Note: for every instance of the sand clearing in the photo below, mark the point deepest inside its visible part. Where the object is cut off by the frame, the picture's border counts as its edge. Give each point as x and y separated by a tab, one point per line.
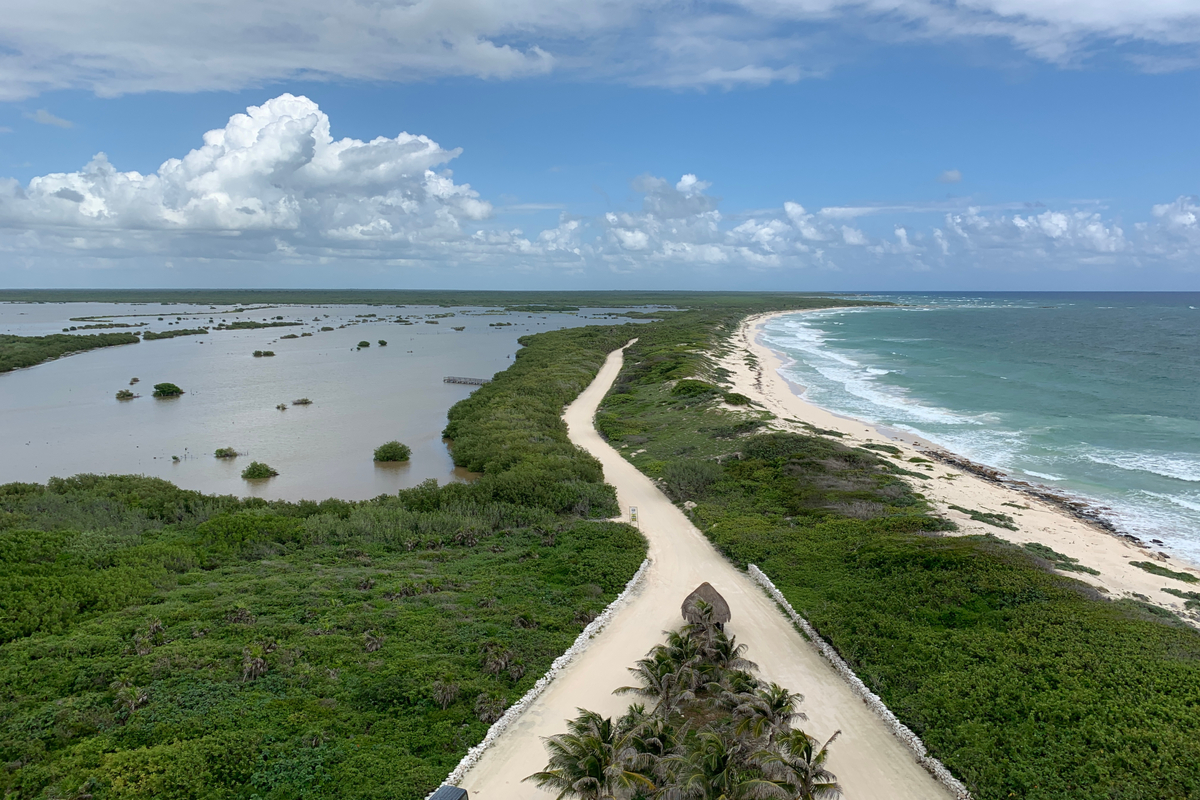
1037	521
869	762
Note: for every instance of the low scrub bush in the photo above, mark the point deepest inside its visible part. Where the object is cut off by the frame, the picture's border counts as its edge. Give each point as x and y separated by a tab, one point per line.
226	452
257	471
694	388
1158	569
392	451
167	390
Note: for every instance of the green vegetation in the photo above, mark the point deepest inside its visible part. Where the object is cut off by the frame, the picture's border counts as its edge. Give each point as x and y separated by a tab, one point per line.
167	390
132	381
263	353
326	328
694	389
156	642
282	406
226	452
163	643
290	336
249	325
393	451
540	308
988	517
125	394
714	731
382	343
1191	599
736	399
364	343
459	328
26	351
101	326
303	401
171	334
1158	569
258	470
1058	560
1024	682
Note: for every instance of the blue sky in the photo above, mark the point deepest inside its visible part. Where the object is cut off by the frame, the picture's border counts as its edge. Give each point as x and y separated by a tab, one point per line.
824	146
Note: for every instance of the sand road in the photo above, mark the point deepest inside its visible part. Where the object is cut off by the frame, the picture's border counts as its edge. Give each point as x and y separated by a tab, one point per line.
868	760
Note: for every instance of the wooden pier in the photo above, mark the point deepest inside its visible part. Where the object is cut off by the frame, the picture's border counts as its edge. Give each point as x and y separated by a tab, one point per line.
468	381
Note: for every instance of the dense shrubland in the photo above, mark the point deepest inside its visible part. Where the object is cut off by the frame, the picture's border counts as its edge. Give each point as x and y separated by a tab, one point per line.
1024	682
172	333
156	642
25	351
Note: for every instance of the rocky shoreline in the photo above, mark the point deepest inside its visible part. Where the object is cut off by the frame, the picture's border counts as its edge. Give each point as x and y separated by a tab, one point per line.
1078	509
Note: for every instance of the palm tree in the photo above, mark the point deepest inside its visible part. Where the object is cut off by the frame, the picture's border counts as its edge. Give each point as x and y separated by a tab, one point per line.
718	766
596	759
723	652
768	712
662	681
799	766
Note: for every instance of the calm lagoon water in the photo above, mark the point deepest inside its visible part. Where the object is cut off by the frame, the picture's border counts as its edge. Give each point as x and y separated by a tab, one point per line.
61	418
1096	395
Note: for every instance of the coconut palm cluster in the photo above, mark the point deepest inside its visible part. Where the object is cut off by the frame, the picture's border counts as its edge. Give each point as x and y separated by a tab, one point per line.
713	732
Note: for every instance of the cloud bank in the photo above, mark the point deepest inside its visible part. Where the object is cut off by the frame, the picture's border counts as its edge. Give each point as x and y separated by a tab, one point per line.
274	189
188	45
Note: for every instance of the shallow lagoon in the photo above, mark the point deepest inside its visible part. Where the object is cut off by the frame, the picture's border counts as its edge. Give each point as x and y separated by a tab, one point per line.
61	418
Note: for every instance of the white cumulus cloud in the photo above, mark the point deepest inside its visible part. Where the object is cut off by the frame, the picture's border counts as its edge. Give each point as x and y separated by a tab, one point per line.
274	170
275	188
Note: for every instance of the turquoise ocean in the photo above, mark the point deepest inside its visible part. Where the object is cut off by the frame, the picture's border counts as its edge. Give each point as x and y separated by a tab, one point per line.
1096	395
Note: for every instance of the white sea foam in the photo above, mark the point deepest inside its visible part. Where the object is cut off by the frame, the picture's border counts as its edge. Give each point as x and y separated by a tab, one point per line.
1046	476
854	383
849	386
1177	466
1192	505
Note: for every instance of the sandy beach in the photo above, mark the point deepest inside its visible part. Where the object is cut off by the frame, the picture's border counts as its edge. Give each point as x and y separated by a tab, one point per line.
1037	520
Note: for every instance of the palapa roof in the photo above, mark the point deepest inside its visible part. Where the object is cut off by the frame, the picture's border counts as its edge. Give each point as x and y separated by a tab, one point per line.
708	594
447	792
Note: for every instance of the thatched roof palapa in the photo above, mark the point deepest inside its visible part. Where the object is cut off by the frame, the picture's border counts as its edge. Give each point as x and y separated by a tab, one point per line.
708	594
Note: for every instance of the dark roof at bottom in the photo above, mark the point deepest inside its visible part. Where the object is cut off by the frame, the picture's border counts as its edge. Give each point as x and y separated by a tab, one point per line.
449	793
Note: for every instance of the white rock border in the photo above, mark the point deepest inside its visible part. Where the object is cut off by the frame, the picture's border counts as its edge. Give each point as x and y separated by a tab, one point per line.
516	709
872	700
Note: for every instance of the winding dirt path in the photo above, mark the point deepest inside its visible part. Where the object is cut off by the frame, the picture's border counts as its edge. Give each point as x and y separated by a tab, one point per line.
868	760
